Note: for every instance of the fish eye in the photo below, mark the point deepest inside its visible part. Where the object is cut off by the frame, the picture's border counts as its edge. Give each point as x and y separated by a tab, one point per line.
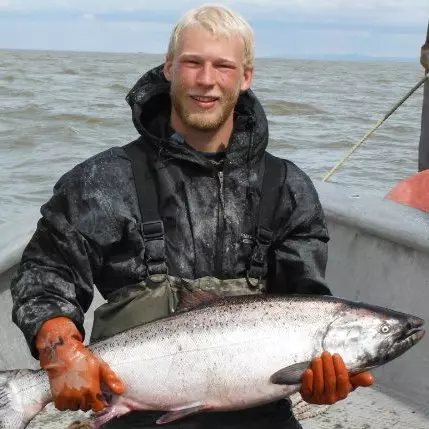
385	329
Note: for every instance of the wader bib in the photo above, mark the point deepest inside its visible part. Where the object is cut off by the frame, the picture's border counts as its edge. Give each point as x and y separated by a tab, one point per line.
161	294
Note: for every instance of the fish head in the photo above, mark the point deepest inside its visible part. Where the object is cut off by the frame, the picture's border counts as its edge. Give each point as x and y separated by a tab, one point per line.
367	336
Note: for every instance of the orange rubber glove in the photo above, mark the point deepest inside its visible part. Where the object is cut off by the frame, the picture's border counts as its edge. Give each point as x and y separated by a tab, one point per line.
75	373
327	380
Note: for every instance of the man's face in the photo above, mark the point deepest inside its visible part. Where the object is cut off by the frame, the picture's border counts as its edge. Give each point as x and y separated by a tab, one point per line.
206	76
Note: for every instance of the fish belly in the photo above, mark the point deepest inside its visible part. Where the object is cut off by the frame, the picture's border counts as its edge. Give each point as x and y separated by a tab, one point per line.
220	377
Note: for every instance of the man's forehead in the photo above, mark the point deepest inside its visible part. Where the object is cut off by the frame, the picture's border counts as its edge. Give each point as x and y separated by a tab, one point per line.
209	47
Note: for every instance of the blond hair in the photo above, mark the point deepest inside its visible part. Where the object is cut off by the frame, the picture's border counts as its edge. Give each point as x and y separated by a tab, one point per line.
219	20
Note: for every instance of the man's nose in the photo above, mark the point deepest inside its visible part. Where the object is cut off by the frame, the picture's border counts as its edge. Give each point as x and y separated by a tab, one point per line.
206	75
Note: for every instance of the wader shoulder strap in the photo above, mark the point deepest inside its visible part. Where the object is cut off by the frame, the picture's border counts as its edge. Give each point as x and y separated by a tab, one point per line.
274	172
152	228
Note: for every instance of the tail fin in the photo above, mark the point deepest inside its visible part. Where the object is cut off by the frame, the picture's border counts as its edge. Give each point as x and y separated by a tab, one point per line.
22	395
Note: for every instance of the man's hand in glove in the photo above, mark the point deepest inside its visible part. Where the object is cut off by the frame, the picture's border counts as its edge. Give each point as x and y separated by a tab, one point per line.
328	381
75	373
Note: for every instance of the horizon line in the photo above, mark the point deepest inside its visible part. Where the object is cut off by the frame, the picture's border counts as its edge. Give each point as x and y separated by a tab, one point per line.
355	57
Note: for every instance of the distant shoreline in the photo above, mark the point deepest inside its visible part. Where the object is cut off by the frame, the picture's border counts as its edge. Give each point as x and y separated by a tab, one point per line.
314	57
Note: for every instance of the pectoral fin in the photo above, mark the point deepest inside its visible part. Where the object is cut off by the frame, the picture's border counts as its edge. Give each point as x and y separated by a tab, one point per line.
290	375
178	414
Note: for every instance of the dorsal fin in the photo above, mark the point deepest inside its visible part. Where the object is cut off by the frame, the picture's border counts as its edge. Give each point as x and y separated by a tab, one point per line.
195	299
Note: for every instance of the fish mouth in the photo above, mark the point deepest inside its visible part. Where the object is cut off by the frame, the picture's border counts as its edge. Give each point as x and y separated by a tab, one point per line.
415	331
408	338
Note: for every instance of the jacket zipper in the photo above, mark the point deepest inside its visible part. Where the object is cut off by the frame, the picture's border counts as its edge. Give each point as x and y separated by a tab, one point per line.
221	225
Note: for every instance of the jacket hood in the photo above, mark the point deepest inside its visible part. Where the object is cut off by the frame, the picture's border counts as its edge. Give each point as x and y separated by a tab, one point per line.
150	104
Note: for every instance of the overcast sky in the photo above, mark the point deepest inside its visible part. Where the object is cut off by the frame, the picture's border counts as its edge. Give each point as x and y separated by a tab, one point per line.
291	28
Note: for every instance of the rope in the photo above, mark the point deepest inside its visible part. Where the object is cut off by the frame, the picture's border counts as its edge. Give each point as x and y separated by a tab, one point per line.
377	125
302	410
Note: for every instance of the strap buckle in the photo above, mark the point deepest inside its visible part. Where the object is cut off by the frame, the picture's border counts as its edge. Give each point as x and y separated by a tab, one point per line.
153	230
153	237
258	261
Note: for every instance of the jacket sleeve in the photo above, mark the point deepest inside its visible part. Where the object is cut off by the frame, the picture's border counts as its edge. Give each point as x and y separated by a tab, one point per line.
58	266
300	256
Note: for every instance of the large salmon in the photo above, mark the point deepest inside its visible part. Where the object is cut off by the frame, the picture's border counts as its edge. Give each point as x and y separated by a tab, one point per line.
233	353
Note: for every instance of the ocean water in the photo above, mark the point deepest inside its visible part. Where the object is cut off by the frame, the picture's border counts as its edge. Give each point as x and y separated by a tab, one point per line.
58	108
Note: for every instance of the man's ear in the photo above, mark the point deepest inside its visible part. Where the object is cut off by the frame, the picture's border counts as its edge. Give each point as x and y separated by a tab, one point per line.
168	65
247	79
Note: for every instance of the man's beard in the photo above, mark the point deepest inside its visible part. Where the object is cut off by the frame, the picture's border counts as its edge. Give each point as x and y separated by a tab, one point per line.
204	120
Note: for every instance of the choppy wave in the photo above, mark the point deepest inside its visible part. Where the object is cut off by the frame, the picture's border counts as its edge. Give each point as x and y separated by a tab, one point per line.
119	87
8	78
104	105
15	92
74	117
69	71
291	108
24	141
29	111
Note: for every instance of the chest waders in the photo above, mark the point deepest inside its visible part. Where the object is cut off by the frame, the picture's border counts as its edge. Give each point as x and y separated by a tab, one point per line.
160	294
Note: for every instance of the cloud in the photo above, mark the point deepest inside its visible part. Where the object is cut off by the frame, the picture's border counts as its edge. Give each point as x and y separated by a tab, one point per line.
367	13
360	14
378	10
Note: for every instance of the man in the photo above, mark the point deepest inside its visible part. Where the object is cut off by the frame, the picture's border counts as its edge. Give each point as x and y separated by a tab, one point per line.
234	221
